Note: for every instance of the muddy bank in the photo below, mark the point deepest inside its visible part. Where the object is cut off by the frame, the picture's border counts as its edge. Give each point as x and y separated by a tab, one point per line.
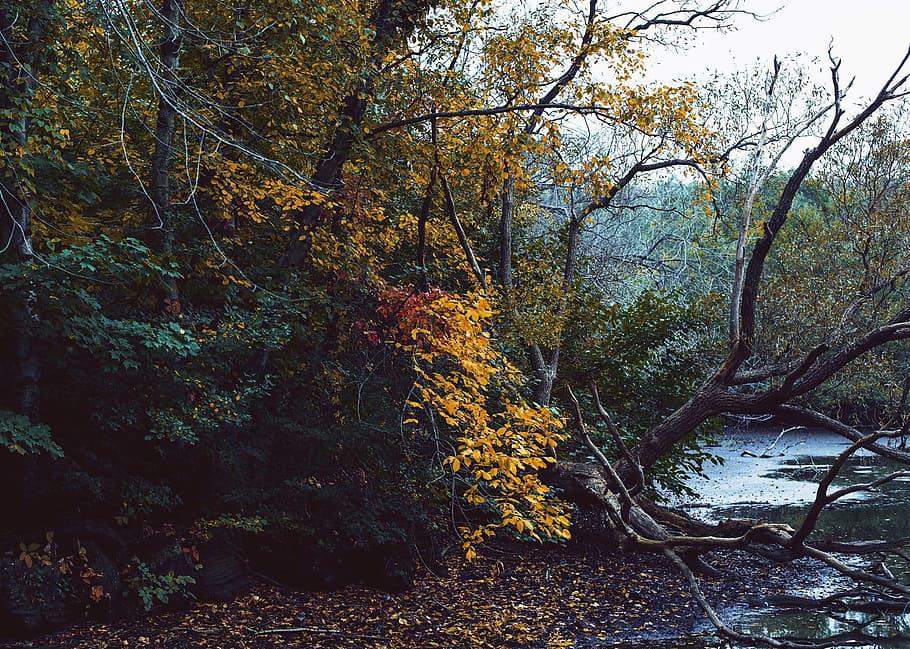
538	598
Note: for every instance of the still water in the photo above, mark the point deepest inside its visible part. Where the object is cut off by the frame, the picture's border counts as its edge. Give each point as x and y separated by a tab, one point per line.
779	486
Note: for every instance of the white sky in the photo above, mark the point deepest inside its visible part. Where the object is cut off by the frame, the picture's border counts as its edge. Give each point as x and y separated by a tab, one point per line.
870	36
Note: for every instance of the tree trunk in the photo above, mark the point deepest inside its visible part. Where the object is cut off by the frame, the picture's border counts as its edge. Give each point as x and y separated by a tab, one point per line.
462	236
393	22
757	178
540	366
706	403
505	233
422	219
160	237
16	215
546	371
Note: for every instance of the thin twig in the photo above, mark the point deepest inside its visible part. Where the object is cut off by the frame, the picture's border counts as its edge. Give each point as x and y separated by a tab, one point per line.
315	629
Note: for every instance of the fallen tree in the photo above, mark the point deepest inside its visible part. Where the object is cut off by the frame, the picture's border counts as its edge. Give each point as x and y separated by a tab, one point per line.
685	541
745	384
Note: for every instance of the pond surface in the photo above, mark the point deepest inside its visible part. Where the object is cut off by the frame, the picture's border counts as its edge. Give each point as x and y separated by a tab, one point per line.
779	486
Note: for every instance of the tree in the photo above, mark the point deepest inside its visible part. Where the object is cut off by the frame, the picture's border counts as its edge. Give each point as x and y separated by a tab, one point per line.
798	376
161	225
22	32
766	388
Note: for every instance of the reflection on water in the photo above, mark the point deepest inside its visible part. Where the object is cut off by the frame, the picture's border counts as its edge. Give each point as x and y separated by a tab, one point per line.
852	628
871	515
779	486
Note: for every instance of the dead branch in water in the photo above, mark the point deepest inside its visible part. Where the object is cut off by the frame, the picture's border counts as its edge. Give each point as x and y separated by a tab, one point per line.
877	590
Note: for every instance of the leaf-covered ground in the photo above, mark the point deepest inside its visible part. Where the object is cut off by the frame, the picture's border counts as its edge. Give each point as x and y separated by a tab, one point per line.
538	599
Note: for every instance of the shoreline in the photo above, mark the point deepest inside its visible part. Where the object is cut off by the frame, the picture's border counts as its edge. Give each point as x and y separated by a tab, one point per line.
536	598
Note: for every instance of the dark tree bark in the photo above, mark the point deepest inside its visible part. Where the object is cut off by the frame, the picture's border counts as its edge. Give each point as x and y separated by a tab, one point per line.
506	217
393	22
462	236
422	218
228	71
21	62
160	231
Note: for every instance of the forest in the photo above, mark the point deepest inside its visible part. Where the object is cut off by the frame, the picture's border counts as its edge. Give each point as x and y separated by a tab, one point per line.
367	312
